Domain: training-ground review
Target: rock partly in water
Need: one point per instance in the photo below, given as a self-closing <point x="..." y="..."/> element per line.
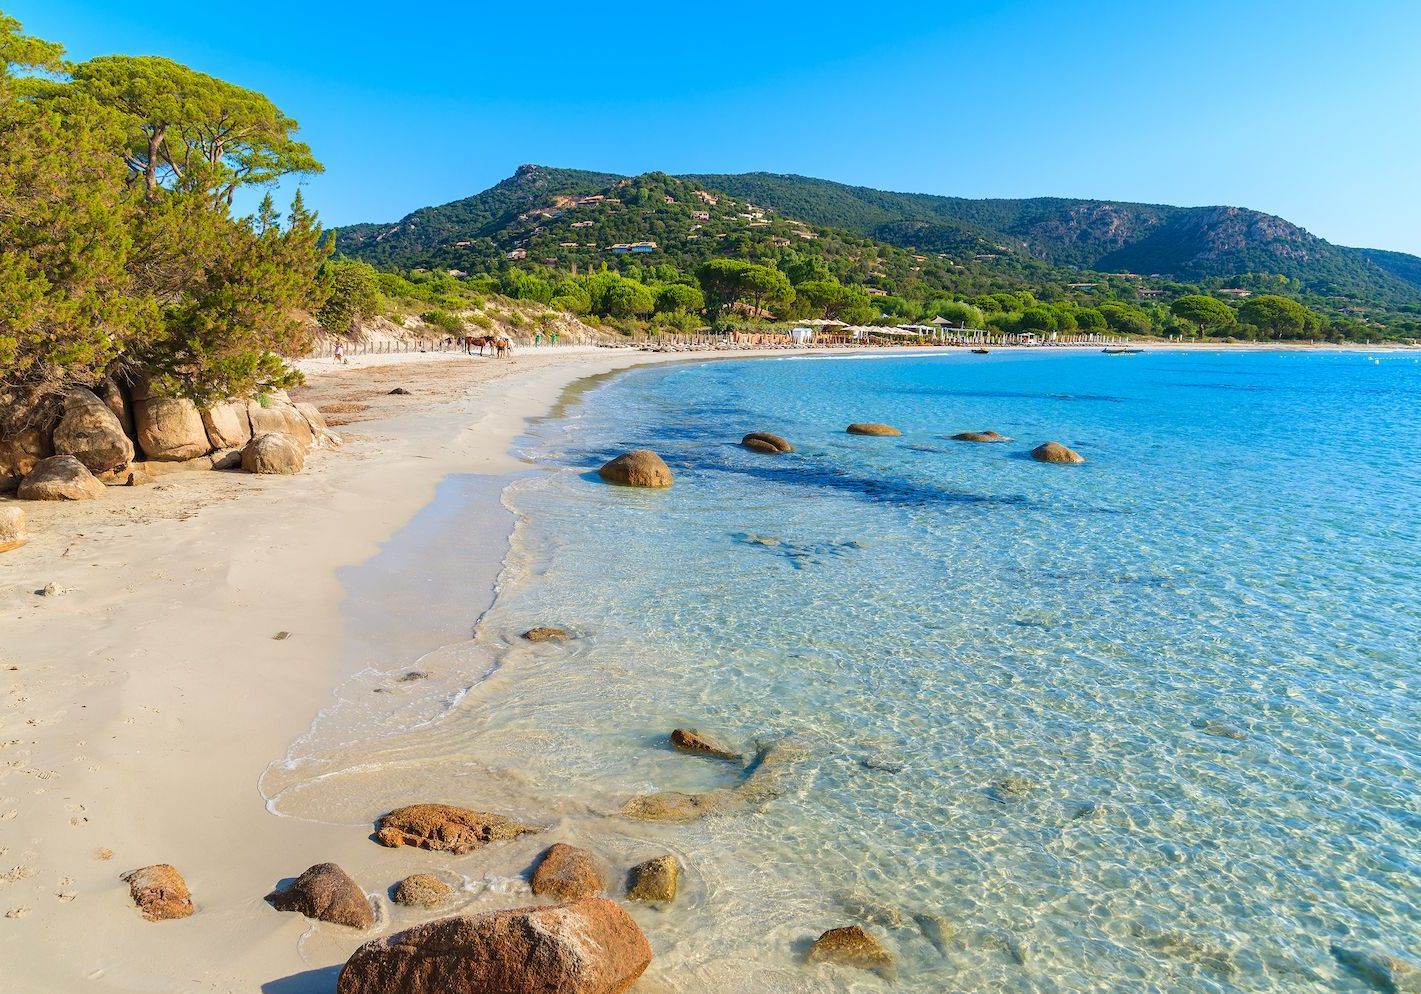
<point x="852" y="946"/>
<point x="227" y="424"/>
<point x="1056" y="452"/>
<point x="545" y="634"/>
<point x="639" y="468"/>
<point x="60" y="478"/>
<point x="872" y="428"/>
<point x="1388" y="973"/>
<point x="688" y="740"/>
<point x="273" y="453"/>
<point x="566" y="873"/>
<point x="979" y="436"/>
<point x="422" y="890"/>
<point x="590" y="946"/>
<point x="937" y="929"/>
<point x="677" y="806"/>
<point x="326" y="893"/>
<point x="1012" y="787"/>
<point x="654" y="880"/>
<point x="92" y="433"/>
<point x="446" y="828"/>
<point x="159" y="891"/>
<point x="763" y="441"/>
<point x="13" y="532"/>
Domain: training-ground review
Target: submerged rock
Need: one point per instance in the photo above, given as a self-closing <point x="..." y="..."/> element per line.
<point x="852" y="946"/>
<point x="1011" y="787"/>
<point x="160" y="892"/>
<point x="638" y="468"/>
<point x="872" y="428"/>
<point x="936" y="928"/>
<point x="422" y="890"/>
<point x="688" y="740"/>
<point x="589" y="946"/>
<point x="1183" y="946"/>
<point x="273" y="453"/>
<point x="1219" y="729"/>
<point x="654" y="880"/>
<point x="676" y="806"/>
<point x="763" y="441"/>
<point x="1090" y="811"/>
<point x="992" y="938"/>
<point x="60" y="478"/>
<point x="446" y="828"/>
<point x="865" y="909"/>
<point x="13" y="532"/>
<point x="979" y="436"/>
<point x="1057" y="453"/>
<point x="326" y="893"/>
<point x="1386" y="972"/>
<point x="544" y="634"/>
<point x="567" y="873"/>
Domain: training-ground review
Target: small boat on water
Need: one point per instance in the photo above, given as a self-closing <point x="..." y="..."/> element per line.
<point x="1122" y="351"/>
<point x="980" y="351"/>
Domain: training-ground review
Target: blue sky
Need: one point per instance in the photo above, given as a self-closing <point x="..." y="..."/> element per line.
<point x="1304" y="109"/>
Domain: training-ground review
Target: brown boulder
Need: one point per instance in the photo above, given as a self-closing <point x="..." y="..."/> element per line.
<point x="159" y="891"/>
<point x="227" y="425"/>
<point x="274" y="413"/>
<point x="852" y="946"/>
<point x="979" y="436"/>
<point x="326" y="893"/>
<point x="13" y="533"/>
<point x="20" y="452"/>
<point x="544" y="634"/>
<point x="446" y="828"/>
<point x="60" y="478"/>
<point x="1056" y="452"/>
<point x="639" y="468"/>
<point x="169" y="429"/>
<point x="91" y="433"/>
<point x="763" y="441"/>
<point x="590" y="946"/>
<point x="422" y="890"/>
<point x="321" y="435"/>
<point x="686" y="740"/>
<point x="872" y="428"/>
<point x="116" y="400"/>
<point x="273" y="453"/>
<point x="566" y="873"/>
<point x="654" y="880"/>
<point x="677" y="806"/>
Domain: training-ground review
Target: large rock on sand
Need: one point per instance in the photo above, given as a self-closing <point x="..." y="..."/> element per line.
<point x="13" y="533"/>
<point x="326" y="893"/>
<point x="638" y="468"/>
<point x="20" y="452"/>
<point x="763" y="441"/>
<point x="227" y="424"/>
<point x="422" y="890"/>
<point x="979" y="436"/>
<point x="654" y="880"/>
<point x="159" y="891"/>
<point x="60" y="478"/>
<point x="169" y="429"/>
<point x="852" y="946"/>
<point x="91" y="433"/>
<point x="446" y="828"/>
<point x="872" y="428"/>
<point x="566" y="873"/>
<point x="590" y="946"/>
<point x="1056" y="452"/>
<point x="273" y="453"/>
<point x="276" y="413"/>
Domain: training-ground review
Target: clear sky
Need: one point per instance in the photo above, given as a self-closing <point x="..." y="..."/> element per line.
<point x="1310" y="110"/>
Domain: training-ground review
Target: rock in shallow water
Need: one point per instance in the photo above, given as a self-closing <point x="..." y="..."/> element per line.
<point x="979" y="436"/>
<point x="159" y="891"/>
<point x="763" y="441"/>
<point x="545" y="634"/>
<point x="1055" y="452"/>
<point x="589" y="946"/>
<point x="654" y="880"/>
<point x="638" y="468"/>
<point x="1011" y="787"/>
<point x="422" y="890"/>
<point x="446" y="828"/>
<point x="852" y="946"/>
<point x="688" y="740"/>
<point x="872" y="428"/>
<point x="566" y="873"/>
<point x="1219" y="729"/>
<point x="1386" y="972"/>
<point x="326" y="893"/>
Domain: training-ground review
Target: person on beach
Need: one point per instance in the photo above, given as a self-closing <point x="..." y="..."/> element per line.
<point x="555" y="338"/>
<point x="538" y="340"/>
<point x="340" y="352"/>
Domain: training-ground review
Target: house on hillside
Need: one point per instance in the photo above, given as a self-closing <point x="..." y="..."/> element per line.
<point x="701" y="215"/>
<point x="621" y="248"/>
<point x="518" y="253"/>
<point x="1146" y="292"/>
<point x="1235" y="292"/>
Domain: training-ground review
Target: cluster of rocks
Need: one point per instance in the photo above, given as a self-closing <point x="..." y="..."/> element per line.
<point x="121" y="435"/>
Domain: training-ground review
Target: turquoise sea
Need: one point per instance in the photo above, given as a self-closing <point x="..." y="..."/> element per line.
<point x="1147" y="724"/>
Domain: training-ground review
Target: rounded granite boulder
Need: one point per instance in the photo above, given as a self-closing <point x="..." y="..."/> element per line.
<point x="273" y="453"/>
<point x="1055" y="452"/>
<point x="764" y="441"/>
<point x="60" y="478"/>
<point x="979" y="436"/>
<point x="13" y="533"/>
<point x="872" y="428"/>
<point x="638" y="468"/>
<point x="422" y="890"/>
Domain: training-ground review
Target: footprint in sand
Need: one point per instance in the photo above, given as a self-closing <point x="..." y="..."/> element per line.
<point x="17" y="912"/>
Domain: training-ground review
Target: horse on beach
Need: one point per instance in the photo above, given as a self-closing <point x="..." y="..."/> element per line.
<point x="498" y="345"/>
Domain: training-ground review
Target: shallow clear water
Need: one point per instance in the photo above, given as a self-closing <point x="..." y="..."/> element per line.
<point x="1196" y="656"/>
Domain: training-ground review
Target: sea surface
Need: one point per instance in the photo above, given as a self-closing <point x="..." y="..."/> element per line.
<point x="1147" y="724"/>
